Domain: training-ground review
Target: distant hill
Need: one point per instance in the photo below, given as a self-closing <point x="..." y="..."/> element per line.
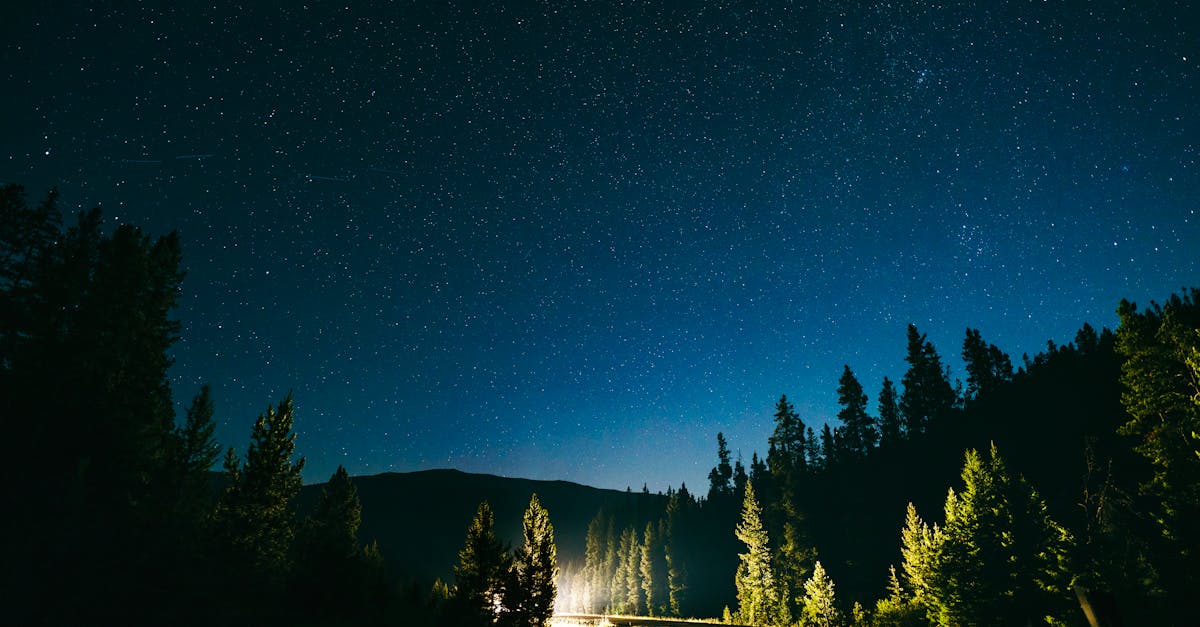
<point x="420" y="519"/>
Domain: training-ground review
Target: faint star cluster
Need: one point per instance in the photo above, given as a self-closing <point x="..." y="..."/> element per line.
<point x="575" y="240"/>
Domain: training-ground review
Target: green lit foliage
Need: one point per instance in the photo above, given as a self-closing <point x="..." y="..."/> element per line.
<point x="529" y="595"/>
<point x="1161" y="375"/>
<point x="759" y="602"/>
<point x="999" y="559"/>
<point x="897" y="608"/>
<point x="819" y="603"/>
<point x="629" y="574"/>
<point x="254" y="515"/>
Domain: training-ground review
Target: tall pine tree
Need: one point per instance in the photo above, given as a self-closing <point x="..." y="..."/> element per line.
<point x="255" y="514"/>
<point x="927" y="393"/>
<point x="759" y="601"/>
<point x="530" y="594"/>
<point x="859" y="434"/>
<point x="483" y="564"/>
<point x="889" y="414"/>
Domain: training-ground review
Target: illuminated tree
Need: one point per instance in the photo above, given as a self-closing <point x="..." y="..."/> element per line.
<point x="819" y="603"/>
<point x="630" y="573"/>
<point x="1000" y="559"/>
<point x="530" y="593"/>
<point x="758" y="596"/>
<point x="480" y="574"/>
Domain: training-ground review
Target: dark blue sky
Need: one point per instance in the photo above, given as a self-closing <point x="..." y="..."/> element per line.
<point x="575" y="240"/>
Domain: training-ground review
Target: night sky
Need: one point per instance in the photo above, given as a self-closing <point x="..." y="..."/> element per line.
<point x="576" y="240"/>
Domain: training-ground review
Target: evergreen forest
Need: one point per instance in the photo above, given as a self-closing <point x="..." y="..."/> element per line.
<point x="1059" y="488"/>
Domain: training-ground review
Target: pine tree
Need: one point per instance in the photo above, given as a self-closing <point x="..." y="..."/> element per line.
<point x="758" y="469"/>
<point x="193" y="451"/>
<point x="1002" y="559"/>
<point x="331" y="572"/>
<point x="631" y="573"/>
<point x="820" y="603"/>
<point x="739" y="476"/>
<point x="987" y="366"/>
<point x="859" y="434"/>
<point x="829" y="447"/>
<point x="721" y="477"/>
<point x="759" y="602"/>
<point x="927" y="394"/>
<point x="529" y="599"/>
<point x="897" y="608"/>
<point x="598" y="580"/>
<point x="786" y="455"/>
<point x="654" y="570"/>
<point x="889" y="414"/>
<point x="255" y="512"/>
<point x="678" y="519"/>
<point x="480" y="574"/>
<point x="1161" y="376"/>
<point x="920" y="548"/>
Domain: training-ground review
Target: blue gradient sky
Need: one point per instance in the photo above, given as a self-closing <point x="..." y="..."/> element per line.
<point x="575" y="241"/>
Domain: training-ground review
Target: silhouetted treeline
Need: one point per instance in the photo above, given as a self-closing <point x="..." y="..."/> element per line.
<point x="115" y="519"/>
<point x="1084" y="506"/>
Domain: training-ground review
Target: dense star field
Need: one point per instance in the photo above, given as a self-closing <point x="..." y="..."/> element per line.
<point x="576" y="240"/>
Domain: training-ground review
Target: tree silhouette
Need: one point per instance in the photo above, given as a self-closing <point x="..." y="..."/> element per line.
<point x="255" y="513"/>
<point x="859" y="434"/>
<point x="481" y="570"/>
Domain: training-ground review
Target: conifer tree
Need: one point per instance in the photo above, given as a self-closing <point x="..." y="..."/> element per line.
<point x="1161" y="376"/>
<point x="739" y="476"/>
<point x="529" y="598"/>
<point x="786" y="456"/>
<point x="720" y="479"/>
<point x="758" y="596"/>
<point x="1002" y="559"/>
<point x="678" y="519"/>
<point x="920" y="548"/>
<point x="654" y="571"/>
<point x="927" y="394"/>
<point x="193" y="451"/>
<point x="889" y="414"/>
<point x="595" y="548"/>
<point x="480" y="574"/>
<point x="631" y="573"/>
<point x="829" y="447"/>
<point x="255" y="512"/>
<point x="859" y="434"/>
<point x="758" y="469"/>
<point x="987" y="366"/>
<point x="819" y="604"/>
<point x="332" y="574"/>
